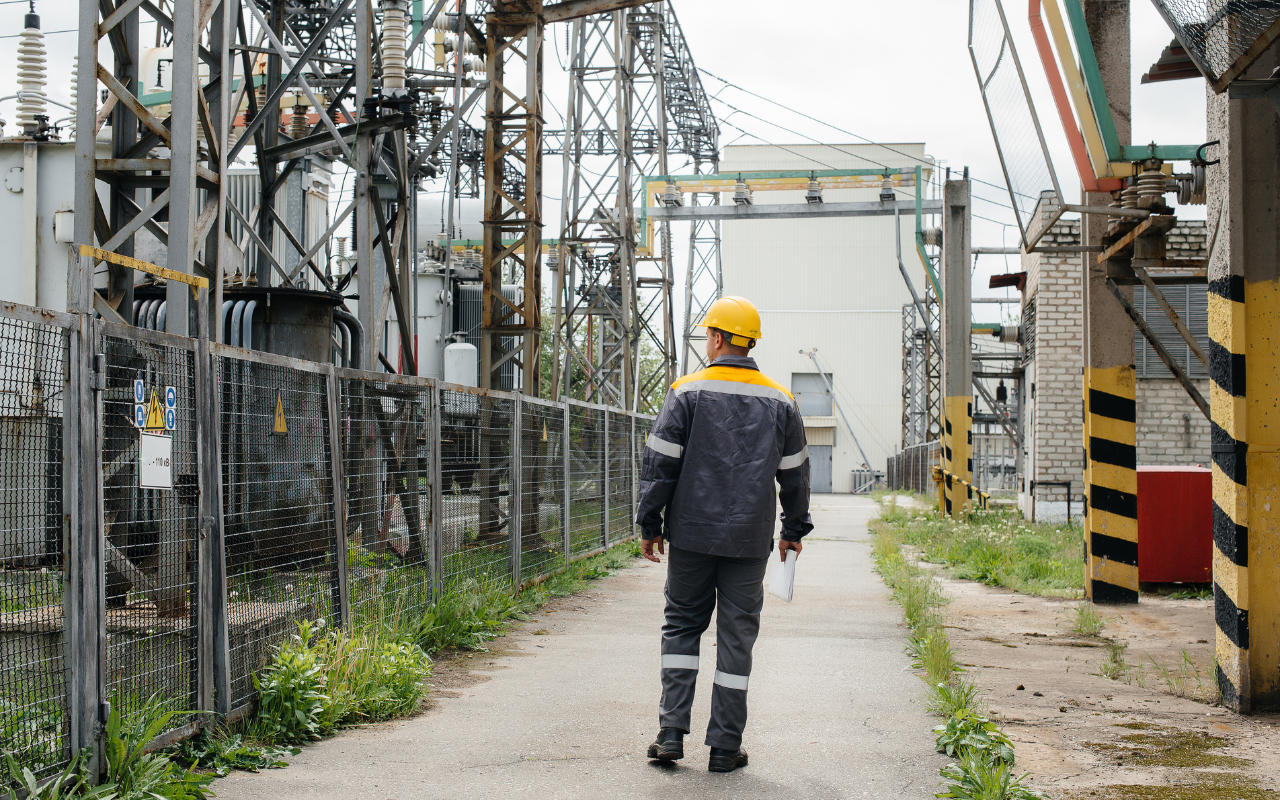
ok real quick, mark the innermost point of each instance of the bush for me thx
(291, 697)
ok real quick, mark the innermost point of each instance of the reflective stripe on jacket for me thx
(724, 436)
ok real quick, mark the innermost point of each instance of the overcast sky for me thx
(888, 71)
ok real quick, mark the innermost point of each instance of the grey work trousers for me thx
(697, 584)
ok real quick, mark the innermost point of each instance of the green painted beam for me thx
(1102, 109)
(161, 98)
(1093, 80)
(1164, 152)
(804, 173)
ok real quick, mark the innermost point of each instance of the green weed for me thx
(957, 696)
(975, 777)
(966, 732)
(933, 655)
(132, 773)
(1114, 665)
(219, 750)
(1088, 621)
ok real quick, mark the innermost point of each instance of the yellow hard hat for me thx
(736, 316)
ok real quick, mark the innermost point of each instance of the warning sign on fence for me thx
(155, 414)
(280, 428)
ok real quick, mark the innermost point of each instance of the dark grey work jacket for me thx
(724, 435)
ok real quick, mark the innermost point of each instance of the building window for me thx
(1192, 305)
(1029, 332)
(811, 393)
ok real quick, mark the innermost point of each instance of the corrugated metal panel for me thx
(1192, 305)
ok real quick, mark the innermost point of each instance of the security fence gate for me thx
(170, 509)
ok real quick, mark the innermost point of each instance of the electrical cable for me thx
(841, 130)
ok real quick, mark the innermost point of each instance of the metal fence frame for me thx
(537, 532)
(912, 467)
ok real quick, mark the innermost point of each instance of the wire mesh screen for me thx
(475, 466)
(1018, 137)
(387, 464)
(277, 509)
(619, 478)
(541, 488)
(586, 485)
(151, 530)
(912, 468)
(1222, 37)
(33, 363)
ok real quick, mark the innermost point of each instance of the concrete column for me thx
(1109, 391)
(1244, 326)
(957, 364)
(182, 166)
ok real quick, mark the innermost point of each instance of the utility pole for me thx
(1110, 434)
(957, 364)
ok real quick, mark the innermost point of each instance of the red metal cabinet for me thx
(1175, 525)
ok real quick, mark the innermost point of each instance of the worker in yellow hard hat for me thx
(724, 436)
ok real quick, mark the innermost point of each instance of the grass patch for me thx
(984, 766)
(1169, 747)
(997, 548)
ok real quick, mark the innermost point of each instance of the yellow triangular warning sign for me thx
(155, 413)
(280, 428)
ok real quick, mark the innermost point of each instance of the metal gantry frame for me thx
(635, 99)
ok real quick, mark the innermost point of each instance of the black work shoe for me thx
(726, 760)
(669, 746)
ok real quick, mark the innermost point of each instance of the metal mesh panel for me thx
(475, 465)
(541, 488)
(387, 465)
(1014, 125)
(277, 510)
(586, 484)
(912, 468)
(1222, 36)
(620, 457)
(33, 361)
(151, 534)
(1192, 305)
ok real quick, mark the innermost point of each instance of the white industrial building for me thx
(831, 284)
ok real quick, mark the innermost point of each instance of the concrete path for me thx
(834, 711)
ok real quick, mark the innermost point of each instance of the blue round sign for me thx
(170, 397)
(139, 391)
(170, 419)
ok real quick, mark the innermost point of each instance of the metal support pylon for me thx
(512, 193)
(704, 282)
(635, 100)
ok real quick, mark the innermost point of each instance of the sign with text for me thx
(155, 461)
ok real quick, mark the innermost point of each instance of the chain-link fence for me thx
(1020, 141)
(278, 514)
(33, 362)
(912, 467)
(171, 509)
(1222, 37)
(150, 531)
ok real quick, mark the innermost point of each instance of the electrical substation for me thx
(290, 323)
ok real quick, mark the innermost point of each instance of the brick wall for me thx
(1052, 427)
(1171, 429)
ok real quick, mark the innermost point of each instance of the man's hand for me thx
(784, 546)
(646, 549)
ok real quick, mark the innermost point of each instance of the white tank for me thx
(462, 364)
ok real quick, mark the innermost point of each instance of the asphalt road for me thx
(568, 714)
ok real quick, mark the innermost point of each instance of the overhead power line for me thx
(837, 128)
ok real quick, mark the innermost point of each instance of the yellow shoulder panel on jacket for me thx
(736, 374)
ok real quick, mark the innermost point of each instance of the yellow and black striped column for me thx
(957, 360)
(1229, 432)
(957, 455)
(1244, 395)
(1111, 485)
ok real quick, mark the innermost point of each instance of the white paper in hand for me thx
(782, 580)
